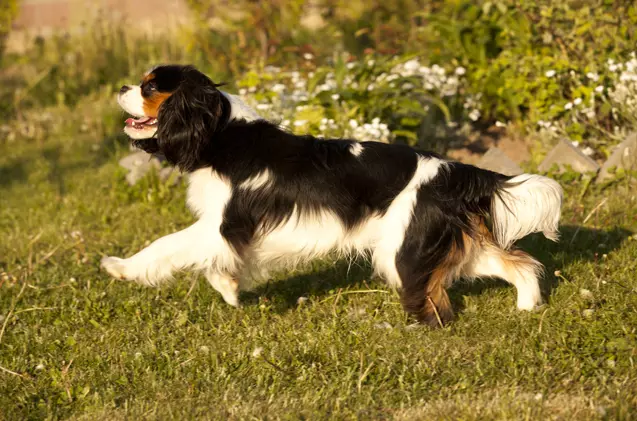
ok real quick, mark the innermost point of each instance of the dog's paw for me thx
(114, 266)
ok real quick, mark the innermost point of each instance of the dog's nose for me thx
(124, 89)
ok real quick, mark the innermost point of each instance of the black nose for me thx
(124, 89)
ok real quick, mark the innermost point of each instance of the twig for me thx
(368, 291)
(187, 361)
(362, 377)
(435, 311)
(287, 373)
(34, 309)
(13, 304)
(192, 287)
(539, 330)
(6, 370)
(338, 297)
(595, 209)
(65, 371)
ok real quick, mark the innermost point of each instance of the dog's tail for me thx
(525, 204)
(518, 206)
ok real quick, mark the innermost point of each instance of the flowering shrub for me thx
(370, 99)
(383, 70)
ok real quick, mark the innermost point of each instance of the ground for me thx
(75, 344)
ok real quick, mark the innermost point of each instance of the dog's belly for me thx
(308, 237)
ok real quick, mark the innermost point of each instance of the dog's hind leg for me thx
(513, 266)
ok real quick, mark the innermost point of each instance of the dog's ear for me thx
(188, 119)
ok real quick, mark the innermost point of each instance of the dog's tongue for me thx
(141, 120)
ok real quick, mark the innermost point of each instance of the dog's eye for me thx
(152, 86)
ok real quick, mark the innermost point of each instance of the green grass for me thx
(82, 346)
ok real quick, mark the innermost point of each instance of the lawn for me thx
(75, 344)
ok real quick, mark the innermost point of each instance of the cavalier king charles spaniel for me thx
(264, 196)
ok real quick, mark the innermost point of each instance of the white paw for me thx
(114, 266)
(231, 298)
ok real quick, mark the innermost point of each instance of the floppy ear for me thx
(187, 121)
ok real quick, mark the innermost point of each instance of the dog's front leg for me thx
(199, 246)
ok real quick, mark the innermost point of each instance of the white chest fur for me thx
(208, 194)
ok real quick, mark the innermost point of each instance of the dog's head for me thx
(176, 111)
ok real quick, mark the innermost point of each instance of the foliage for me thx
(8, 11)
(543, 64)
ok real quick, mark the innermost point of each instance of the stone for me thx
(623, 157)
(138, 164)
(166, 172)
(563, 154)
(496, 160)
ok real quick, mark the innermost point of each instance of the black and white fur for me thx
(265, 196)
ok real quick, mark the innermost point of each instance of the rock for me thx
(139, 159)
(166, 172)
(586, 294)
(383, 325)
(624, 157)
(138, 163)
(496, 160)
(566, 154)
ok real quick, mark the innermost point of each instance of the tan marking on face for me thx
(148, 77)
(152, 103)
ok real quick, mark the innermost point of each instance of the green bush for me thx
(542, 64)
(8, 11)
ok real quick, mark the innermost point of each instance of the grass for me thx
(76, 344)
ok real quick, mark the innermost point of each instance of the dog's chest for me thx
(208, 194)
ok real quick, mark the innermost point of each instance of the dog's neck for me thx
(239, 110)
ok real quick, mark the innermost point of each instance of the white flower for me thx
(353, 124)
(568, 106)
(588, 151)
(370, 63)
(412, 65)
(499, 124)
(351, 65)
(243, 91)
(278, 88)
(474, 115)
(550, 73)
(252, 89)
(335, 97)
(599, 89)
(408, 86)
(299, 123)
(264, 106)
(308, 56)
(301, 300)
(577, 101)
(575, 143)
(592, 76)
(460, 71)
(257, 351)
(285, 123)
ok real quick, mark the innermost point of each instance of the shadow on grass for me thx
(578, 244)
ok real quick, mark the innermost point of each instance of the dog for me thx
(264, 196)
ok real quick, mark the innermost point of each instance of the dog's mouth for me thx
(141, 123)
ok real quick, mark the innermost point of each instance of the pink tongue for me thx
(141, 120)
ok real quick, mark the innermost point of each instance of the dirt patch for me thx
(471, 149)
